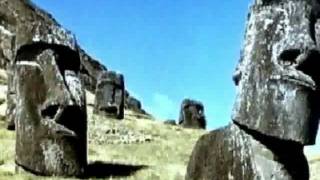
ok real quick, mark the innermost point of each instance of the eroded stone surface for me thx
(50, 117)
(276, 110)
(192, 114)
(278, 74)
(232, 153)
(109, 98)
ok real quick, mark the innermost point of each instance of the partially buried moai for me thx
(110, 91)
(192, 114)
(50, 111)
(276, 112)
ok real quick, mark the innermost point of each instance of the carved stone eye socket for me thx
(50, 111)
(67, 59)
(289, 57)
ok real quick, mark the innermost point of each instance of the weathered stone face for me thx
(110, 92)
(51, 122)
(278, 77)
(192, 114)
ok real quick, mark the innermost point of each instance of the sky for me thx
(167, 50)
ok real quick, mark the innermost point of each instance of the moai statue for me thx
(109, 100)
(50, 110)
(276, 112)
(192, 114)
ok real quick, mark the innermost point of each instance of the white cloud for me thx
(162, 107)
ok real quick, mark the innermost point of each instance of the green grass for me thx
(164, 156)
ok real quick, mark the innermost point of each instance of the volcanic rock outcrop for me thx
(109, 97)
(276, 109)
(133, 104)
(192, 114)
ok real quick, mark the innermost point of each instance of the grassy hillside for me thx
(137, 147)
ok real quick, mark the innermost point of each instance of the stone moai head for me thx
(50, 115)
(278, 77)
(192, 114)
(110, 91)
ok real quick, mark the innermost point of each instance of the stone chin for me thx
(282, 106)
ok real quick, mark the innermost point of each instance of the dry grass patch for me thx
(162, 153)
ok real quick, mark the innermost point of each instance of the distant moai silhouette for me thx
(192, 114)
(110, 91)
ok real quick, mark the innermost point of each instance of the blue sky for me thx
(167, 50)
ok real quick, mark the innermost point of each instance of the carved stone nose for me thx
(309, 64)
(305, 61)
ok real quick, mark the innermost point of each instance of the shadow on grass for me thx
(101, 169)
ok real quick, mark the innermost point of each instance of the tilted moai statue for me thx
(109, 99)
(50, 111)
(276, 110)
(192, 114)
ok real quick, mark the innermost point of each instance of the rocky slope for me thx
(134, 148)
(21, 22)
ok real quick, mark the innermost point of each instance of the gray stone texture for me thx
(234, 153)
(277, 93)
(50, 117)
(109, 96)
(192, 114)
(276, 108)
